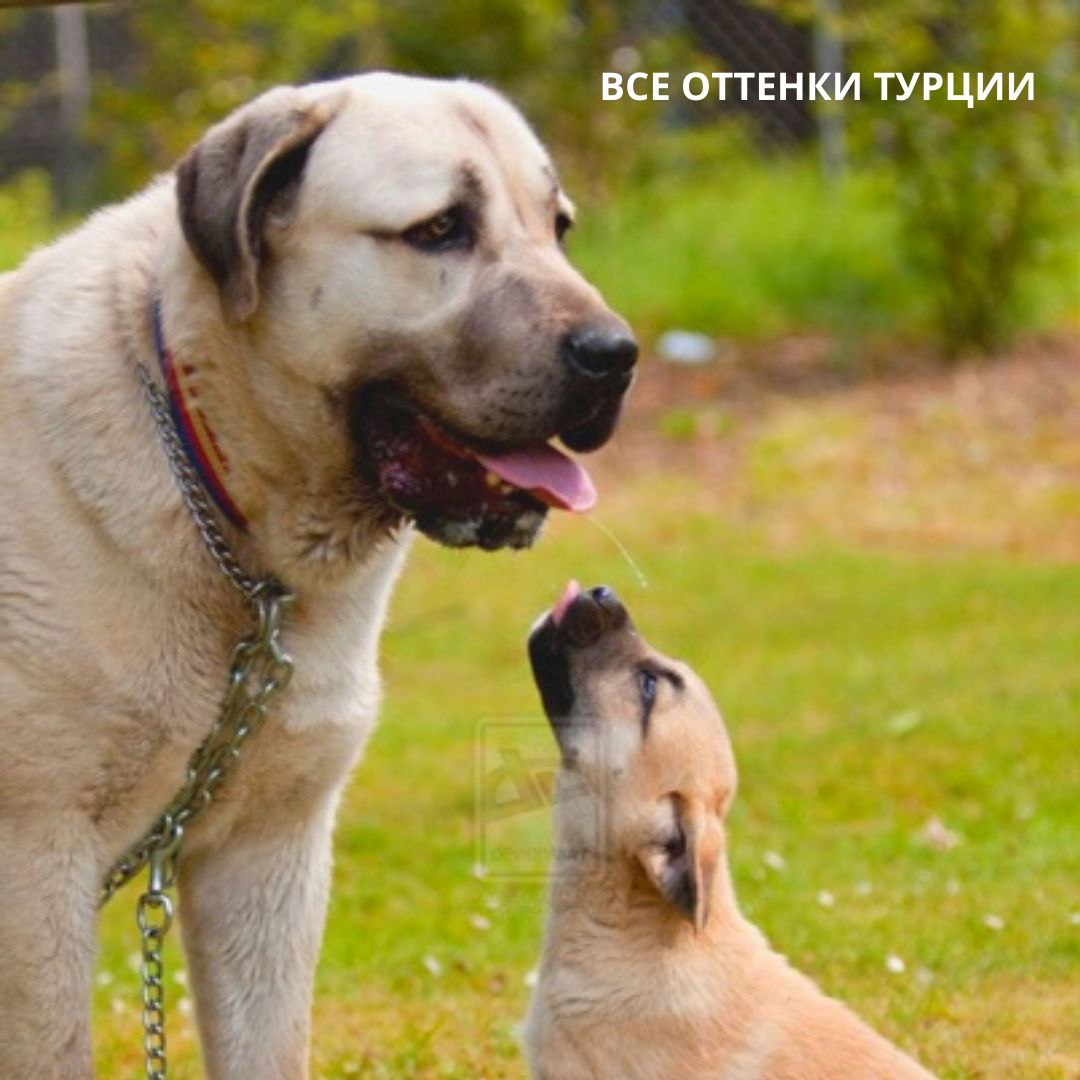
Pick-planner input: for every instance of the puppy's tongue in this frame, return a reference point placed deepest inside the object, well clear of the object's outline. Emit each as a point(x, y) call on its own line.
point(569, 595)
point(548, 474)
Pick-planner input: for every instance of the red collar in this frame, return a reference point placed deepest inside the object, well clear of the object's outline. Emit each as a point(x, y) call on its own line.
point(203, 451)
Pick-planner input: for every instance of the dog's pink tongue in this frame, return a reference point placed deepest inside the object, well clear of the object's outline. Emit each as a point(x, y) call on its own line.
point(569, 595)
point(548, 474)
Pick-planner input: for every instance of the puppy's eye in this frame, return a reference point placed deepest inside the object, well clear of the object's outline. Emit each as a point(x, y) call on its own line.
point(563, 224)
point(448, 231)
point(648, 684)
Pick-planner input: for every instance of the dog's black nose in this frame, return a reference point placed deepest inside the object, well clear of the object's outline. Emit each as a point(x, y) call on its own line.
point(596, 352)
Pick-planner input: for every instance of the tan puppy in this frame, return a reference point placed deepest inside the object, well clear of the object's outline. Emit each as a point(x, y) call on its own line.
point(364, 297)
point(649, 971)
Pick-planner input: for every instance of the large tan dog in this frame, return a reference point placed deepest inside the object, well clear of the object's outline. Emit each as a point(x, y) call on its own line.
point(370, 319)
point(649, 971)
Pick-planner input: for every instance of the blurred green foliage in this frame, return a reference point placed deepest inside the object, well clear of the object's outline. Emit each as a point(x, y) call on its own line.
point(749, 250)
point(25, 216)
point(199, 62)
point(957, 222)
point(986, 193)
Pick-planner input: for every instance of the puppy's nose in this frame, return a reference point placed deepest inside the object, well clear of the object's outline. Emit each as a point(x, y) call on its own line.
point(593, 614)
point(596, 352)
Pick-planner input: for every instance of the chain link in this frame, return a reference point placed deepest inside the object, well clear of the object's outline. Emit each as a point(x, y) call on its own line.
point(192, 491)
point(260, 669)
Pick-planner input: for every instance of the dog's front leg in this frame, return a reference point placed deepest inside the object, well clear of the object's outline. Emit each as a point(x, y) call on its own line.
point(49, 881)
point(252, 914)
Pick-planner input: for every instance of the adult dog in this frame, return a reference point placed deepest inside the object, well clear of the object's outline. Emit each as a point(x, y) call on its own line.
point(365, 319)
point(650, 972)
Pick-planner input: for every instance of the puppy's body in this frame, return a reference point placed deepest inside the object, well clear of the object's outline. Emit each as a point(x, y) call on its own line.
point(649, 971)
point(629, 990)
point(293, 289)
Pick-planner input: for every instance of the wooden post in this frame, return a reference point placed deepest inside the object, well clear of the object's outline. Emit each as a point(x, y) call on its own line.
point(73, 71)
point(829, 56)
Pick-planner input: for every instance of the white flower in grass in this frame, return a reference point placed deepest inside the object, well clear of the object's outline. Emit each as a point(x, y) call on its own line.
point(532, 978)
point(184, 1006)
point(1074, 918)
point(826, 899)
point(479, 871)
point(104, 978)
point(938, 835)
point(864, 888)
point(774, 860)
point(993, 922)
point(895, 965)
point(432, 965)
point(479, 922)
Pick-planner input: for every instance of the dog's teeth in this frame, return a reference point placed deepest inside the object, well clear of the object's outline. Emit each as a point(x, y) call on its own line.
point(491, 479)
point(506, 489)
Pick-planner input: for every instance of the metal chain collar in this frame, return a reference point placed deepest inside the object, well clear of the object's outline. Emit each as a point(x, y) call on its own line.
point(194, 494)
point(259, 670)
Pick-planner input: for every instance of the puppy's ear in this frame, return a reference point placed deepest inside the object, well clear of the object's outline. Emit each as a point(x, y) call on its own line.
point(230, 180)
point(683, 868)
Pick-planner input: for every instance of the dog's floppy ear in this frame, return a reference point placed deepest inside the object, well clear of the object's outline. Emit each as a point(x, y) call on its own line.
point(228, 182)
point(683, 868)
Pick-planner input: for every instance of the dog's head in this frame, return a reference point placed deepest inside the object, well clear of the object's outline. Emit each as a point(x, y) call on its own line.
point(642, 743)
point(392, 248)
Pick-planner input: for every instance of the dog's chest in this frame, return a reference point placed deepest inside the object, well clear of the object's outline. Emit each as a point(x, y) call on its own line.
point(313, 736)
point(316, 729)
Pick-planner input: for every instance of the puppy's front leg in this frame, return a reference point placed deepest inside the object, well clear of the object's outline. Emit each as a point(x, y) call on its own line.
point(252, 914)
point(49, 881)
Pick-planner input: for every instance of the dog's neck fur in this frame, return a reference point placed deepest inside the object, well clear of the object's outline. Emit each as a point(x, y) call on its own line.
point(609, 898)
point(621, 964)
point(311, 521)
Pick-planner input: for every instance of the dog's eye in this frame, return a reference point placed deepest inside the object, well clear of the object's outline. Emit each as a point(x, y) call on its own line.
point(448, 231)
point(648, 684)
point(648, 687)
point(563, 224)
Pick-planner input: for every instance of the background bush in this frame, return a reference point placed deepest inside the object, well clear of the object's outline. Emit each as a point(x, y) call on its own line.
point(955, 224)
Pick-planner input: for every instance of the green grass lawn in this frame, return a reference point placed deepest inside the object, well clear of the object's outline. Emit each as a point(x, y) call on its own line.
point(866, 695)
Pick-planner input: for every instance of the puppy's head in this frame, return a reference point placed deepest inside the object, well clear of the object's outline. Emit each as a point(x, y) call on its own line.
point(642, 741)
point(393, 249)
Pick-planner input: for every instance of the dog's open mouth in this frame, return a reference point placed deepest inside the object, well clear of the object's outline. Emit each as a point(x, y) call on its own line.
point(462, 496)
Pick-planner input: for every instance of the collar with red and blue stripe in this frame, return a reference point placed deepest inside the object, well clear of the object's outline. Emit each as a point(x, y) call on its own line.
point(200, 444)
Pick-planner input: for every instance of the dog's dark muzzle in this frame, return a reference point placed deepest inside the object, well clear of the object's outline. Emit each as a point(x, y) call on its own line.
point(600, 363)
point(583, 623)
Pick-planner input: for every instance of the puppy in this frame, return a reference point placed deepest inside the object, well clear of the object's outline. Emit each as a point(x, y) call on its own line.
point(649, 971)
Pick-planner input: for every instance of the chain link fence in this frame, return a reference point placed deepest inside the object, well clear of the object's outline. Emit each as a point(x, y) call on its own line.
point(50, 59)
point(53, 55)
point(744, 36)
